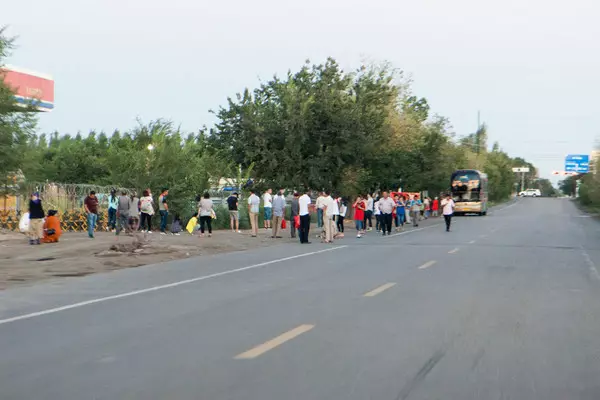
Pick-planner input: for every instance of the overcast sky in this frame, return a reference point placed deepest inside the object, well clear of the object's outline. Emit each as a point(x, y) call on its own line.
point(532, 67)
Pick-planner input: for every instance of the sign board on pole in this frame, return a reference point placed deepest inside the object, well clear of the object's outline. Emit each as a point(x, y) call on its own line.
point(522, 169)
point(578, 163)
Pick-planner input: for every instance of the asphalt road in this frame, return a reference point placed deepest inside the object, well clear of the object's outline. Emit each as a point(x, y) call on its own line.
point(503, 307)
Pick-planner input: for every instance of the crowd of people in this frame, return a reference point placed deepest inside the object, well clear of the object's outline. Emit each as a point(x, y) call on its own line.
point(127, 212)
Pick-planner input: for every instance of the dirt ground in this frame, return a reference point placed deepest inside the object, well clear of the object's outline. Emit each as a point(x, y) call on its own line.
point(77, 255)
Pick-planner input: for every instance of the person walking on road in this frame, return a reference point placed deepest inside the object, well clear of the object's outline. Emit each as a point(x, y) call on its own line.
point(234, 213)
point(163, 210)
point(386, 206)
point(448, 210)
point(253, 210)
point(278, 213)
point(359, 215)
point(400, 212)
point(91, 208)
point(343, 210)
point(268, 207)
point(368, 222)
point(377, 213)
point(435, 207)
point(415, 210)
point(304, 212)
point(294, 212)
point(134, 212)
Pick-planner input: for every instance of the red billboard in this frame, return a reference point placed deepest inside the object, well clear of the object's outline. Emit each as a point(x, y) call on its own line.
point(29, 87)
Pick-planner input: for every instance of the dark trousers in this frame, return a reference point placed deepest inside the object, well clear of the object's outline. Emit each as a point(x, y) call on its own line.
point(378, 224)
point(112, 218)
point(340, 223)
point(368, 218)
point(163, 220)
point(206, 220)
point(145, 218)
point(448, 219)
point(292, 227)
point(386, 223)
point(304, 228)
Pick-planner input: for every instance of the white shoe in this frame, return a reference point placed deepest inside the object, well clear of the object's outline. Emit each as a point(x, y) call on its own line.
point(148, 231)
point(163, 233)
point(239, 231)
point(177, 234)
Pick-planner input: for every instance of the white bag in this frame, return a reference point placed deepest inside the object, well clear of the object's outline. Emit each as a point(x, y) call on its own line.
point(24, 223)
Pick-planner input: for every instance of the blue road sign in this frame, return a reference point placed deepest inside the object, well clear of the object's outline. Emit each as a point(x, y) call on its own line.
point(579, 163)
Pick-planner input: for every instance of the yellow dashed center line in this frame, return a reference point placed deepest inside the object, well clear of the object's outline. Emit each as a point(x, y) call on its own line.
point(275, 342)
point(380, 289)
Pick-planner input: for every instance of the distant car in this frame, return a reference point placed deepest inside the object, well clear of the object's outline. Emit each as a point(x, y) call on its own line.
point(531, 193)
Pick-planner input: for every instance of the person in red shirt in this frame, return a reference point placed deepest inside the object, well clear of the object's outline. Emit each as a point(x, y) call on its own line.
point(435, 207)
point(359, 215)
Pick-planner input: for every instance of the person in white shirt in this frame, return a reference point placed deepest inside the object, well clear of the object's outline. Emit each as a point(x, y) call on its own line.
point(386, 206)
point(328, 213)
point(343, 210)
point(369, 213)
point(304, 212)
point(448, 210)
point(377, 213)
point(268, 206)
point(253, 209)
point(319, 204)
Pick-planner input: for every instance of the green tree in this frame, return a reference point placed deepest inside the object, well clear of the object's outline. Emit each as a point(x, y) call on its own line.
point(17, 124)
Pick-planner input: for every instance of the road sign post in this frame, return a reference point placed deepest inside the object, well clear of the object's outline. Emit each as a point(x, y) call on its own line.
point(522, 171)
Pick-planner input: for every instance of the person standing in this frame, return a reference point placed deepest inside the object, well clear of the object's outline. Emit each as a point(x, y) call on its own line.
point(91, 208)
point(253, 210)
point(319, 204)
point(343, 210)
point(278, 213)
point(294, 212)
point(268, 206)
point(377, 213)
point(163, 210)
point(328, 213)
point(400, 212)
point(386, 206)
point(368, 223)
point(134, 212)
point(113, 204)
point(147, 211)
point(123, 212)
point(36, 219)
point(435, 207)
point(359, 215)
point(336, 214)
point(427, 204)
point(205, 212)
point(415, 210)
point(448, 210)
point(234, 213)
point(304, 212)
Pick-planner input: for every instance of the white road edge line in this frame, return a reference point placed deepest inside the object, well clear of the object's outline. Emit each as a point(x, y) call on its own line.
point(160, 287)
point(412, 231)
point(588, 259)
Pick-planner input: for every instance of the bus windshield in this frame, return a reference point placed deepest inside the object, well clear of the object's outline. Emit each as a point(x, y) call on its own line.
point(466, 186)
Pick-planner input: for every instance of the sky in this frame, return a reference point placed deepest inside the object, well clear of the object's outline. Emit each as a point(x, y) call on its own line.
point(530, 67)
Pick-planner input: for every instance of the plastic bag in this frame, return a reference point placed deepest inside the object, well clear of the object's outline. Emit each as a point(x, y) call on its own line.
point(296, 221)
point(24, 223)
point(283, 224)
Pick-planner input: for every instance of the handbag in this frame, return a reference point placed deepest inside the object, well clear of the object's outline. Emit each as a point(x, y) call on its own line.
point(296, 221)
point(283, 224)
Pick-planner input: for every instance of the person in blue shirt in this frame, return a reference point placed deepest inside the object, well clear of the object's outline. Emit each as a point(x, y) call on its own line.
point(400, 212)
point(415, 209)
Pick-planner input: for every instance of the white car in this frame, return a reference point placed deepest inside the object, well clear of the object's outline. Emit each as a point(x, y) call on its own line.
point(531, 193)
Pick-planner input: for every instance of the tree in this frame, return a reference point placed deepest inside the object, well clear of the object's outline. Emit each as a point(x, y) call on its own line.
point(16, 125)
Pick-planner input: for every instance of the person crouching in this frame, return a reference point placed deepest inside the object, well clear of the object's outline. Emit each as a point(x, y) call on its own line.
point(52, 229)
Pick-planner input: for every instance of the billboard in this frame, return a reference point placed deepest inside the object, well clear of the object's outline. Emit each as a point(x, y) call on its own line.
point(29, 86)
point(578, 163)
